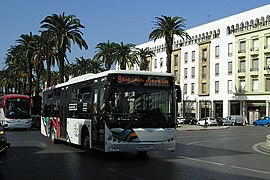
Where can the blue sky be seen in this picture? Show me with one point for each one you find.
(115, 20)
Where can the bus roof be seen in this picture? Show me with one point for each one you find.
(6, 96)
(89, 76)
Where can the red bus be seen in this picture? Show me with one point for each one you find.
(15, 111)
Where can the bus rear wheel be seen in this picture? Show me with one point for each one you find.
(85, 141)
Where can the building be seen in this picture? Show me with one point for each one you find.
(224, 69)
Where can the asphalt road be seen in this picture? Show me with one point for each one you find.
(211, 154)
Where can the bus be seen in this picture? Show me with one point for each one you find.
(15, 111)
(113, 111)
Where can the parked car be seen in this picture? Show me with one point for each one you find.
(179, 121)
(191, 120)
(265, 120)
(210, 121)
(4, 145)
(233, 120)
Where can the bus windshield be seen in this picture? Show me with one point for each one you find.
(140, 107)
(17, 108)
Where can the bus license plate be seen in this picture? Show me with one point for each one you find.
(145, 147)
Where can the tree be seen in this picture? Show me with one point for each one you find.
(167, 27)
(60, 30)
(125, 54)
(143, 54)
(26, 43)
(106, 52)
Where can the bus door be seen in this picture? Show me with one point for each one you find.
(64, 100)
(98, 131)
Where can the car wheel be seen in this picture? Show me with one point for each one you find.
(268, 124)
(255, 124)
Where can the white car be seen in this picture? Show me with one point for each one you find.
(180, 120)
(210, 121)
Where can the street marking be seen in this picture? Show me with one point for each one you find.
(252, 170)
(200, 160)
(197, 142)
(221, 164)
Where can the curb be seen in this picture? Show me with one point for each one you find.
(200, 128)
(264, 147)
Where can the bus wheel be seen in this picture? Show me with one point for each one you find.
(85, 141)
(53, 135)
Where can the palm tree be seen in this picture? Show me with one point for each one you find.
(96, 66)
(83, 65)
(106, 52)
(61, 29)
(50, 56)
(143, 55)
(167, 27)
(27, 44)
(125, 54)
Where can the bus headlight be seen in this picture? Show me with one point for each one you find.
(2, 132)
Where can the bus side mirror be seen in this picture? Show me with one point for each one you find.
(178, 93)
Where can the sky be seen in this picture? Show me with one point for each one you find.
(114, 20)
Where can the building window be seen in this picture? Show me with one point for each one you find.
(185, 88)
(217, 69)
(204, 88)
(204, 73)
(267, 84)
(192, 88)
(242, 87)
(161, 62)
(192, 72)
(175, 60)
(185, 73)
(242, 67)
(155, 63)
(242, 48)
(217, 51)
(186, 57)
(255, 66)
(193, 56)
(230, 50)
(267, 63)
(229, 68)
(204, 54)
(216, 87)
(267, 46)
(255, 45)
(255, 85)
(229, 86)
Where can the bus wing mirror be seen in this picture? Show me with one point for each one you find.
(178, 93)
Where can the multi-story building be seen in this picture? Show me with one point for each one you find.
(224, 69)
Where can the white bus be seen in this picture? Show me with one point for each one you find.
(15, 111)
(113, 111)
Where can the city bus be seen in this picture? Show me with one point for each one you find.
(15, 111)
(113, 111)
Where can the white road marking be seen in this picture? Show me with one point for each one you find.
(200, 160)
(197, 142)
(221, 164)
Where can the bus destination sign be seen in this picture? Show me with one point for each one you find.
(143, 80)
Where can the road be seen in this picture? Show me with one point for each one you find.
(211, 154)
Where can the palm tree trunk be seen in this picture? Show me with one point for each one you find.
(61, 65)
(49, 72)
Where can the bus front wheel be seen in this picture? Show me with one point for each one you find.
(53, 135)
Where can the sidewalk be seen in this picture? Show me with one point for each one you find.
(187, 127)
